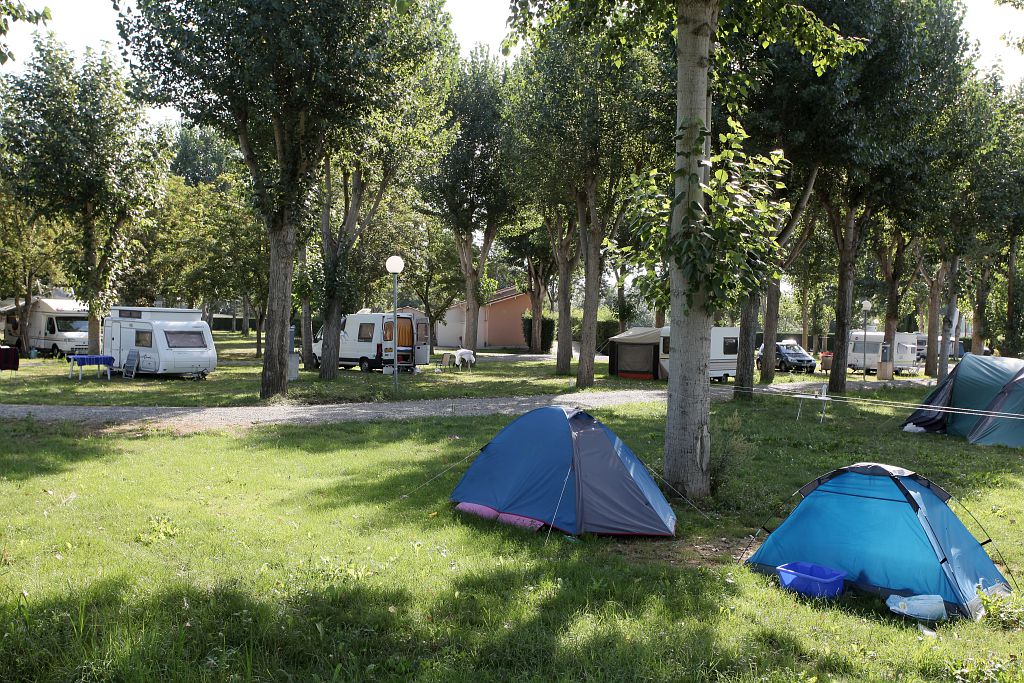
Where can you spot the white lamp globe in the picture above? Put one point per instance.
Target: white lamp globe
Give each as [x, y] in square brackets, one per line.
[865, 305]
[395, 265]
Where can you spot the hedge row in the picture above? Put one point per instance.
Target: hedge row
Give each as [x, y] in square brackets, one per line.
[607, 326]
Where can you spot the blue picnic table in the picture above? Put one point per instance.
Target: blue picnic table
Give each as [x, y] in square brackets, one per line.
[83, 360]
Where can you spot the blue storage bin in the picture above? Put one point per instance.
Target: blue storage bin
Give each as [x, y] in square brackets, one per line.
[811, 580]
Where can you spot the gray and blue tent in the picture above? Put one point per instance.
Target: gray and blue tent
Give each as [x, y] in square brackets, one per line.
[561, 467]
[891, 531]
[981, 400]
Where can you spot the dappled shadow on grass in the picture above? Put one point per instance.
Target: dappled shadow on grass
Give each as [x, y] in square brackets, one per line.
[32, 450]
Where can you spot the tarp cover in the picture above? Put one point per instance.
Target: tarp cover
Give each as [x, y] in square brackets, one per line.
[564, 468]
[988, 384]
[638, 335]
[891, 531]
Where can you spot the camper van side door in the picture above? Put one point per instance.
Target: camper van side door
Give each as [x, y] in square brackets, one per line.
[422, 341]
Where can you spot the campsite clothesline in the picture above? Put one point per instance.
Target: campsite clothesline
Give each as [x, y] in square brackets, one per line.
[722, 391]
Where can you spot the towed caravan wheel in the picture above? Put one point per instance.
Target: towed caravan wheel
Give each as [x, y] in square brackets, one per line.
[364, 365]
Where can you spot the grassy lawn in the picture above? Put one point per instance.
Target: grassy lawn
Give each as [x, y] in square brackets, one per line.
[289, 553]
[236, 383]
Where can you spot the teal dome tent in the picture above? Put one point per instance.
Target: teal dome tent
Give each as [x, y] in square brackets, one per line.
[891, 531]
[981, 400]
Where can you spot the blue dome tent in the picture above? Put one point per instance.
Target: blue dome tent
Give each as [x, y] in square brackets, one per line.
[981, 400]
[562, 467]
[891, 531]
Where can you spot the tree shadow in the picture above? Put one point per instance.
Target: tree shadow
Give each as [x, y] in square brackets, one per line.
[31, 450]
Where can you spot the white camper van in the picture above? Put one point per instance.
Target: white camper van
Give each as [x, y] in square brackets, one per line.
[58, 327]
[725, 349]
[366, 341]
[169, 341]
[869, 348]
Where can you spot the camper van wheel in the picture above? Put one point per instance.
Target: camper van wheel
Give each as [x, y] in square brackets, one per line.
[364, 365]
[724, 379]
[316, 361]
[55, 351]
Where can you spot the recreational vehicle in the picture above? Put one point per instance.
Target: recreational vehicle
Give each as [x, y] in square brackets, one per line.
[868, 349]
[167, 341]
[724, 351]
[367, 341]
[56, 326]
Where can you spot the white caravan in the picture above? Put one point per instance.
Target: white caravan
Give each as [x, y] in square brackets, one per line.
[725, 349]
[169, 341]
[56, 326]
[869, 349]
[366, 341]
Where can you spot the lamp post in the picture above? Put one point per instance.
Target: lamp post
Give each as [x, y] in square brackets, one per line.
[866, 307]
[395, 265]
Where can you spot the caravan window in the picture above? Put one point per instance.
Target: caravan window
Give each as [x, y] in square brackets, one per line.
[121, 313]
[873, 348]
[664, 345]
[905, 349]
[365, 332]
[144, 338]
[72, 324]
[185, 340]
[422, 333]
[388, 334]
[730, 346]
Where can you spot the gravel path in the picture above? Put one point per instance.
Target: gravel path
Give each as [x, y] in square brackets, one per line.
[197, 419]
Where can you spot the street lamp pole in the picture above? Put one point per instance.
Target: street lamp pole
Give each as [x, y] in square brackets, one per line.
[395, 265]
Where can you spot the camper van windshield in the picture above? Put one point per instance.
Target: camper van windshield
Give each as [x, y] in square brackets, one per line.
[72, 324]
[185, 340]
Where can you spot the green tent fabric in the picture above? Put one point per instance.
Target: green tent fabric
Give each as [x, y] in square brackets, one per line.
[989, 384]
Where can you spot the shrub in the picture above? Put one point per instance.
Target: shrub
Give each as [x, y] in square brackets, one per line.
[547, 332]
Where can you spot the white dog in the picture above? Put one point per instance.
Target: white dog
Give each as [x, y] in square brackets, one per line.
[465, 356]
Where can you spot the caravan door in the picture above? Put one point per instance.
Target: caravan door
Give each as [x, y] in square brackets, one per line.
[115, 343]
[422, 341]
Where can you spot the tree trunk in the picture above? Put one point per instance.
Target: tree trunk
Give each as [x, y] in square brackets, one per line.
[947, 319]
[748, 339]
[591, 235]
[844, 312]
[537, 325]
[563, 357]
[687, 434]
[259, 334]
[246, 312]
[982, 288]
[472, 326]
[1013, 317]
[659, 317]
[771, 330]
[306, 322]
[935, 285]
[620, 294]
[274, 380]
[24, 314]
[892, 313]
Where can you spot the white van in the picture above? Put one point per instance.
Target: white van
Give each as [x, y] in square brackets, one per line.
[366, 341]
[869, 348]
[169, 341]
[58, 327]
[725, 349]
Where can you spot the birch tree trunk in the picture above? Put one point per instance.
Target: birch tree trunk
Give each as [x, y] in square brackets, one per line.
[687, 436]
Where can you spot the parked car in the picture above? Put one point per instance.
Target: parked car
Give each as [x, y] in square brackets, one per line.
[789, 357]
